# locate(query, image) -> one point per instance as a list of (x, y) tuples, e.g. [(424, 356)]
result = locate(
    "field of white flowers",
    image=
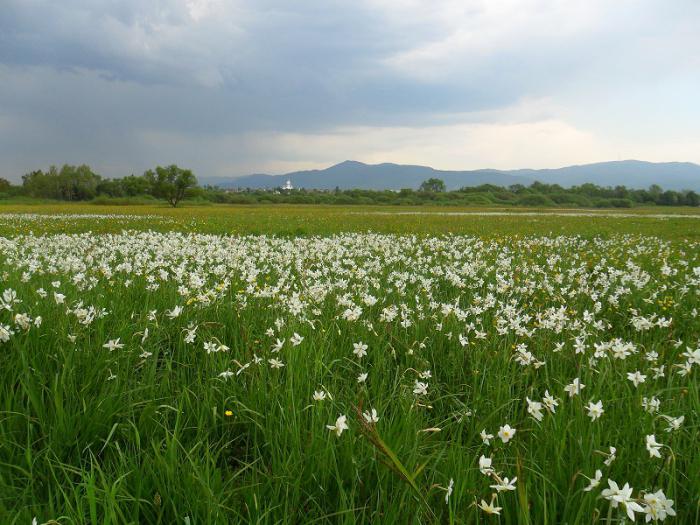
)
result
[(354, 378)]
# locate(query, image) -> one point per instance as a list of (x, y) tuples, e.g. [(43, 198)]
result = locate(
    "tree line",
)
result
[(174, 184), (80, 183)]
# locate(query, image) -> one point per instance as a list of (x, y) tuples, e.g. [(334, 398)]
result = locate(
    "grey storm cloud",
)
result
[(124, 84)]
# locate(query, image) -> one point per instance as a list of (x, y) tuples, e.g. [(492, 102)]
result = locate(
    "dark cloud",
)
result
[(87, 80)]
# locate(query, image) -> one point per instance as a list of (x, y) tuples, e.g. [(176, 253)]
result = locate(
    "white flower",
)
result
[(653, 447), (359, 349), (362, 377), (658, 371), (657, 507), (550, 402), (485, 437), (595, 410), (275, 363), (574, 388), (448, 491), (485, 465), (319, 395), (277, 346), (506, 433), (594, 481), (636, 377), (340, 425), (113, 344), (651, 405), (489, 508), (5, 333), (504, 485), (296, 339), (674, 423), (226, 374), (611, 457), (420, 388), (175, 312), (617, 495), (534, 408), (371, 417)]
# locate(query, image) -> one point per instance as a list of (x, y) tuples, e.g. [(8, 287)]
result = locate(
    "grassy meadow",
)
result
[(310, 364), (296, 220)]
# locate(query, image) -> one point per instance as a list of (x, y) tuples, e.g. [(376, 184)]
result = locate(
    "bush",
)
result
[(621, 203), (535, 200)]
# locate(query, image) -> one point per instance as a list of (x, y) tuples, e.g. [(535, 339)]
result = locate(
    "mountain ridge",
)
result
[(352, 174)]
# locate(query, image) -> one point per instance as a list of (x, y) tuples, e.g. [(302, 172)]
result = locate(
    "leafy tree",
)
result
[(433, 185), (134, 185), (668, 198), (171, 183), (4, 185), (692, 199), (69, 183)]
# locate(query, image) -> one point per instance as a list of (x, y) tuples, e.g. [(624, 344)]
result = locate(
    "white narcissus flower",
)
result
[(611, 457), (636, 378), (275, 363), (595, 410), (504, 485), (485, 437), (340, 425), (653, 447), (574, 388), (371, 416), (674, 423), (360, 349), (594, 481), (485, 465), (506, 433), (534, 408), (448, 490), (175, 312), (617, 496), (550, 402), (489, 508), (420, 388), (113, 344), (657, 506)]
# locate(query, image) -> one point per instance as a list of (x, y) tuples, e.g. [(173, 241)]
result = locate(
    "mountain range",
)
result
[(357, 175)]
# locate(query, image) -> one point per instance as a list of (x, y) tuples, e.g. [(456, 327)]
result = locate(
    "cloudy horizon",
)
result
[(233, 88)]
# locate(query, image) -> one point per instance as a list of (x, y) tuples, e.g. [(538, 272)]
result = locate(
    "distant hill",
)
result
[(352, 174)]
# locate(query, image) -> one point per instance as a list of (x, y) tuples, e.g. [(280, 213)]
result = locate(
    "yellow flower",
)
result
[(228, 413)]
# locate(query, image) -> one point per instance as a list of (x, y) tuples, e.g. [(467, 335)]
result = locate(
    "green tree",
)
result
[(134, 185), (4, 185), (433, 185), (171, 183), (692, 199), (69, 183)]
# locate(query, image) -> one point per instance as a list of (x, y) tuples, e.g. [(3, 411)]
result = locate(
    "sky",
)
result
[(229, 88)]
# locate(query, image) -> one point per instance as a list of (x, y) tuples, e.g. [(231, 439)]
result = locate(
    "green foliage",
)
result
[(170, 183), (139, 434), (173, 184), (70, 183), (433, 185)]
